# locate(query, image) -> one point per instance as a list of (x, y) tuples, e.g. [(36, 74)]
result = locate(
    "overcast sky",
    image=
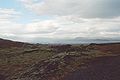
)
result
[(26, 20)]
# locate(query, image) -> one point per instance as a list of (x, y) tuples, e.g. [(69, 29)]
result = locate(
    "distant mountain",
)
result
[(4, 43), (78, 40), (91, 39), (95, 40)]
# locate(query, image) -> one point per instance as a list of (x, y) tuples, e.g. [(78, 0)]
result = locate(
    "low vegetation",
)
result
[(48, 62)]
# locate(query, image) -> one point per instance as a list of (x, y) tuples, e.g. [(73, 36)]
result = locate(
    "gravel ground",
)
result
[(104, 68)]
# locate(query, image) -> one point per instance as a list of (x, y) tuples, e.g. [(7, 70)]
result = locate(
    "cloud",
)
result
[(41, 27), (7, 21), (59, 27), (8, 14), (10, 28), (94, 27), (82, 8), (76, 18)]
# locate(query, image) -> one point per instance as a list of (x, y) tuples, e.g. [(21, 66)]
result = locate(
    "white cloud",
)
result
[(63, 27), (74, 18), (89, 27), (69, 26), (83, 8), (8, 14), (10, 28), (41, 27)]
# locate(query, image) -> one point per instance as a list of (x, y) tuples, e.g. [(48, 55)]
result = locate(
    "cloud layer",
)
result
[(70, 19), (83, 8)]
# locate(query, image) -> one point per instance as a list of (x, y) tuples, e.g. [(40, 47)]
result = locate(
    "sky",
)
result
[(28, 20)]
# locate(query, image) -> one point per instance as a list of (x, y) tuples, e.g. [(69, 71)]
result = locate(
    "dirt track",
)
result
[(104, 68)]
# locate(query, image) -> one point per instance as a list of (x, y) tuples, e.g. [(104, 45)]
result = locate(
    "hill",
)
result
[(4, 43)]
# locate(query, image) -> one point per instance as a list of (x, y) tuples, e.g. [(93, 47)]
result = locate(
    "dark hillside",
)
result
[(8, 43)]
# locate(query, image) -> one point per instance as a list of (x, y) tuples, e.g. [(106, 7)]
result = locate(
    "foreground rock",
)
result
[(47, 69)]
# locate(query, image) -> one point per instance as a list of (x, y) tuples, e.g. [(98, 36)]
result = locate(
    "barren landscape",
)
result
[(24, 61), (59, 39)]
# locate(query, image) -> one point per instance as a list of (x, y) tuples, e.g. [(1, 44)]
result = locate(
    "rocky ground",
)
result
[(60, 62), (103, 68)]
